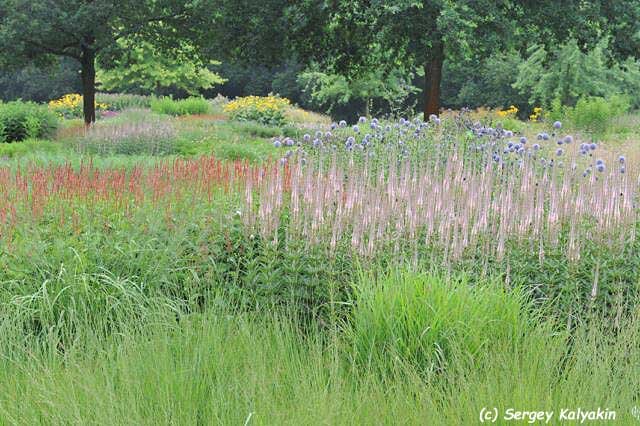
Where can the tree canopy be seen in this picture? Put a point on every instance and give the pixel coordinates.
(82, 29)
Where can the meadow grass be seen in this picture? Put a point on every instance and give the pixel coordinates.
(221, 366)
(329, 286)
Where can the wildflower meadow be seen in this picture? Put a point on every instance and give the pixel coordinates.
(362, 213)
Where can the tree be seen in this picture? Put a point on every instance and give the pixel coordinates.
(37, 30)
(143, 69)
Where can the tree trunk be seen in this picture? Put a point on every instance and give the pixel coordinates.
(432, 79)
(88, 72)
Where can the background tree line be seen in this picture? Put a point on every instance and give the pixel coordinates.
(341, 57)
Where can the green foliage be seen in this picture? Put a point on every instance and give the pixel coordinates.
(25, 120)
(373, 92)
(122, 101)
(422, 318)
(40, 83)
(594, 115)
(483, 82)
(569, 74)
(144, 70)
(189, 106)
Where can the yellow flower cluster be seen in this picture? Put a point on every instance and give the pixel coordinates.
(537, 114)
(70, 106)
(259, 103)
(509, 112)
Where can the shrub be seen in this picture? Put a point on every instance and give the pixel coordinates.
(70, 106)
(23, 120)
(421, 318)
(149, 135)
(267, 110)
(187, 106)
(594, 114)
(122, 101)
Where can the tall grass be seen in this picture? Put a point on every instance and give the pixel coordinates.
(180, 107)
(221, 367)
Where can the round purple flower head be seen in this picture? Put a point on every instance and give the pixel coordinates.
(600, 167)
(523, 140)
(559, 152)
(536, 147)
(356, 128)
(508, 133)
(623, 169)
(318, 134)
(437, 121)
(317, 143)
(333, 126)
(328, 135)
(288, 142)
(545, 136)
(343, 123)
(375, 120)
(599, 161)
(557, 125)
(621, 159)
(568, 139)
(306, 137)
(351, 140)
(362, 120)
(277, 143)
(539, 137)
(432, 117)
(592, 146)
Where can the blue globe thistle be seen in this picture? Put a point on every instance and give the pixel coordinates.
(508, 133)
(560, 142)
(289, 142)
(496, 158)
(334, 126)
(318, 134)
(557, 125)
(432, 117)
(600, 167)
(523, 140)
(545, 136)
(350, 140)
(559, 152)
(623, 169)
(387, 128)
(599, 161)
(356, 129)
(586, 172)
(289, 154)
(509, 144)
(375, 121)
(306, 137)
(437, 121)
(277, 143)
(317, 143)
(539, 137)
(621, 159)
(536, 147)
(362, 120)
(343, 123)
(328, 135)
(568, 139)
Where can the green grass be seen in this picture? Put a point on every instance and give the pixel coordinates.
(224, 367)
